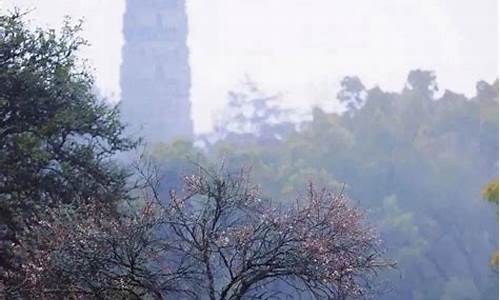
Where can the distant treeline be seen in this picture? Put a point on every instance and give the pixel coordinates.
(76, 223)
(415, 161)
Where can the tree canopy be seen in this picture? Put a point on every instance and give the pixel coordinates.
(56, 136)
(417, 161)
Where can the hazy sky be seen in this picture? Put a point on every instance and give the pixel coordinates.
(302, 48)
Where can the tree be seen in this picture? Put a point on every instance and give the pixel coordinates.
(90, 255)
(218, 239)
(56, 138)
(422, 82)
(352, 93)
(252, 113)
(244, 246)
(432, 153)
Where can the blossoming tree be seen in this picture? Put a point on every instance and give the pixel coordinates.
(217, 238)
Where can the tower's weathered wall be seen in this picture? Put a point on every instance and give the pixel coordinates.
(155, 73)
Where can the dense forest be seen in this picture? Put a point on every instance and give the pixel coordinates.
(409, 209)
(415, 161)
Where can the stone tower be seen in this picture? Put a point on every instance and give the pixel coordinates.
(155, 74)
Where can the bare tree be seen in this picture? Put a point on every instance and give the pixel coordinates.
(217, 238)
(244, 246)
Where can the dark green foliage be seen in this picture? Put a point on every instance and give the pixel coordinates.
(56, 137)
